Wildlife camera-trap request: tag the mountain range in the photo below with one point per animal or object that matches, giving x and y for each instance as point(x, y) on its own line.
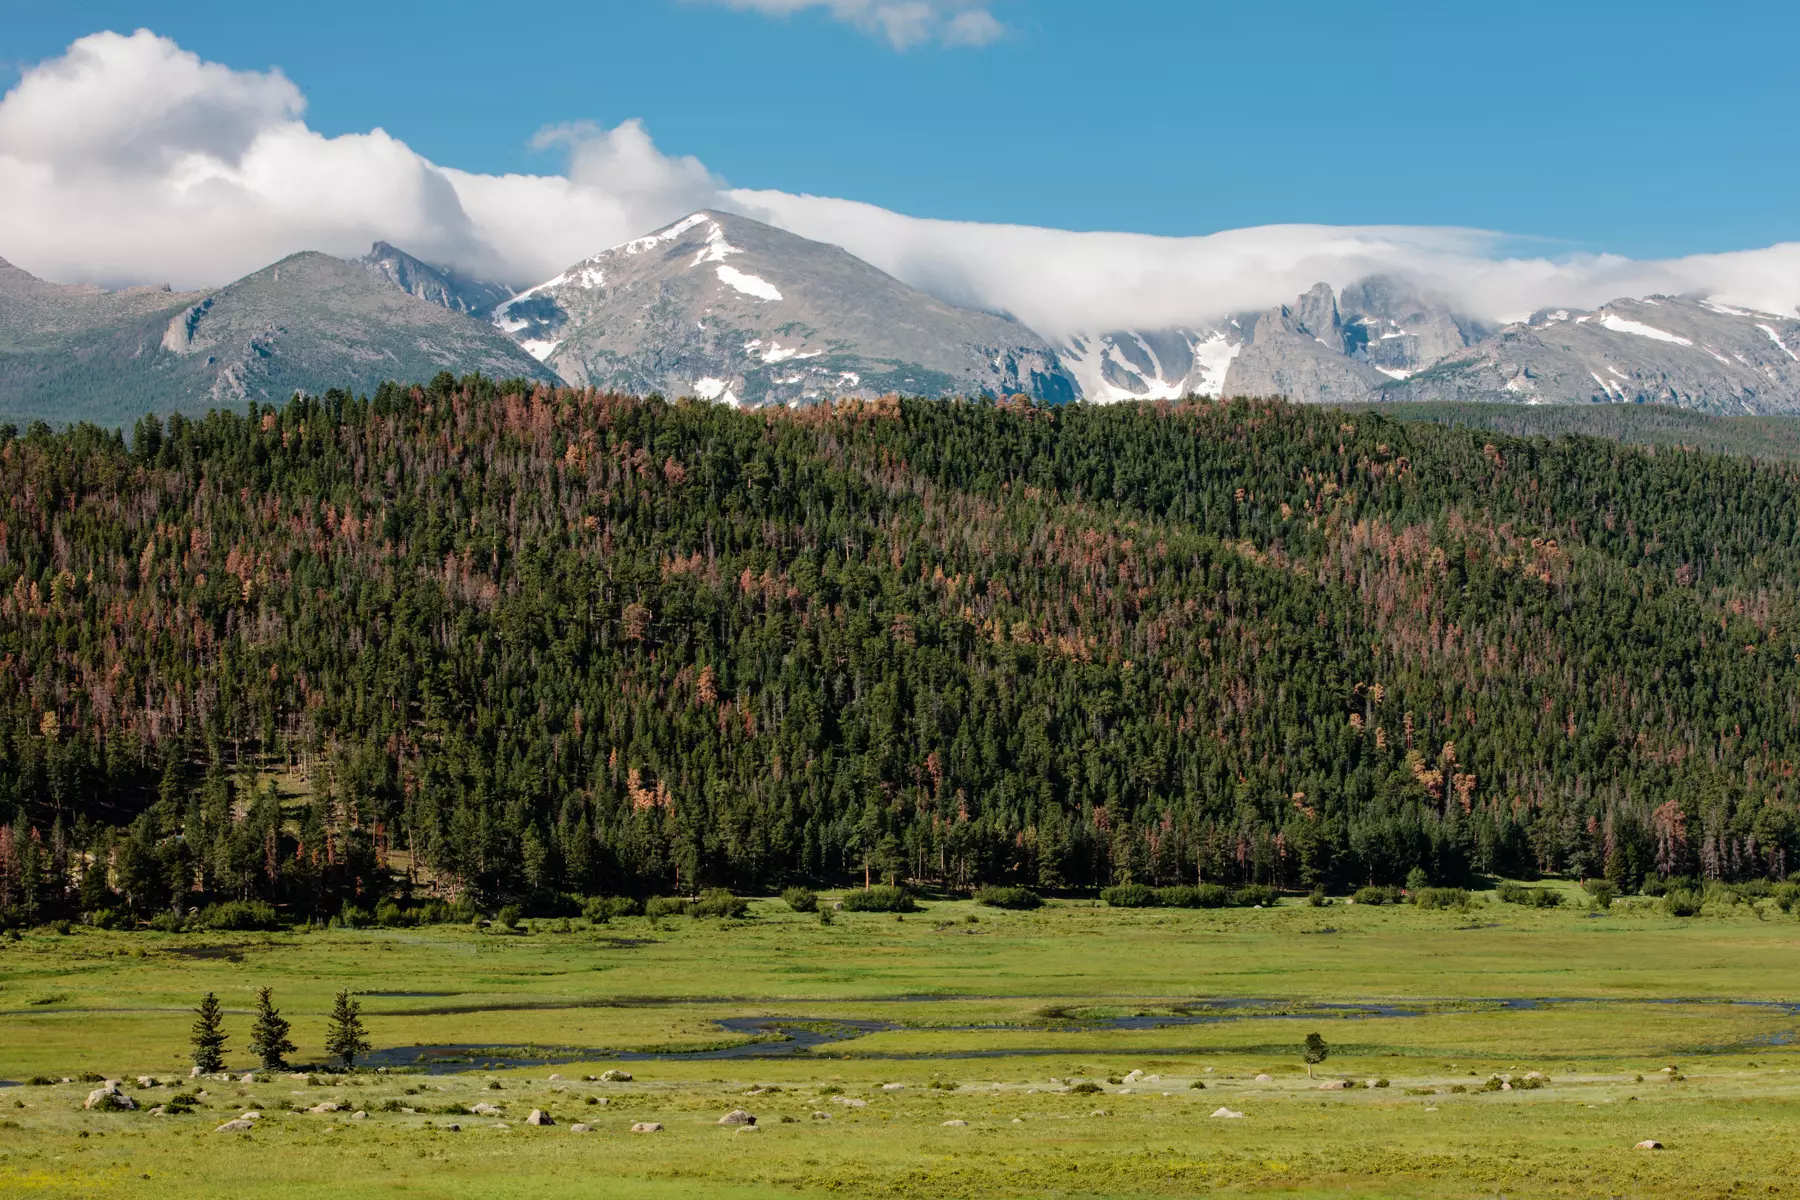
point(730, 309)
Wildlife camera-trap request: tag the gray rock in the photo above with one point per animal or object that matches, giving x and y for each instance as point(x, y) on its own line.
point(539, 1117)
point(238, 1126)
point(434, 285)
point(615, 1077)
point(737, 1116)
point(578, 1127)
point(1677, 351)
point(727, 308)
point(307, 323)
point(647, 1127)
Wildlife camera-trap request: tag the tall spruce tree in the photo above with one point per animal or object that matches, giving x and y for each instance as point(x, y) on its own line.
point(269, 1037)
point(208, 1037)
point(345, 1037)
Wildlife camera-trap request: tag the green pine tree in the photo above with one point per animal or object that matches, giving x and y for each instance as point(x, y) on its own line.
point(345, 1037)
point(1315, 1052)
point(269, 1037)
point(208, 1037)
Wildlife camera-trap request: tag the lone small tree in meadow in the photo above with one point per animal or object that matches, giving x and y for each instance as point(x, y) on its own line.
point(1315, 1052)
point(269, 1037)
point(345, 1037)
point(208, 1038)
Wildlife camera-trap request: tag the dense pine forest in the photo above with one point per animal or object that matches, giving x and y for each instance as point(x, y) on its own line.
point(485, 645)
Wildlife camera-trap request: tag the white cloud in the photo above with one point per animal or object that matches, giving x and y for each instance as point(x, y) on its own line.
point(905, 23)
point(129, 160)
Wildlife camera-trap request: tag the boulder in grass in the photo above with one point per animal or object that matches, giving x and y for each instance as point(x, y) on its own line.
point(1265, 1079)
point(851, 1101)
point(1334, 1085)
point(737, 1116)
point(578, 1127)
point(539, 1117)
point(1648, 1144)
point(325, 1106)
point(1227, 1114)
point(238, 1126)
point(821, 1116)
point(247, 1077)
point(109, 1099)
point(252, 1115)
point(615, 1077)
point(893, 1087)
point(647, 1127)
point(485, 1109)
point(556, 1079)
point(359, 1115)
point(146, 1081)
point(955, 1124)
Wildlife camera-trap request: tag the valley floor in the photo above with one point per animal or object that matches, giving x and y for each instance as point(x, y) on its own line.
point(1646, 1027)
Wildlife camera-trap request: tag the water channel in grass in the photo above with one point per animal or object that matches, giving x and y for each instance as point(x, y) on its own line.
point(798, 1037)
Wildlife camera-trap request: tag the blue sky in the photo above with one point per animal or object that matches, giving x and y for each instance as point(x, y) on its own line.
point(1647, 129)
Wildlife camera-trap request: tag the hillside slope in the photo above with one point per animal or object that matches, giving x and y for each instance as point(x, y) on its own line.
point(572, 642)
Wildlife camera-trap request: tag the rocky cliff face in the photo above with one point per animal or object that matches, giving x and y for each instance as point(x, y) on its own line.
point(1662, 350)
point(435, 285)
point(727, 308)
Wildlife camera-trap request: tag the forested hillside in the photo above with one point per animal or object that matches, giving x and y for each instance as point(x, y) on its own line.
point(524, 645)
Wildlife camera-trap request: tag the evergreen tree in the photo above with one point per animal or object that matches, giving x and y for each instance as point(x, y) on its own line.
point(269, 1037)
point(345, 1037)
point(208, 1037)
point(1315, 1052)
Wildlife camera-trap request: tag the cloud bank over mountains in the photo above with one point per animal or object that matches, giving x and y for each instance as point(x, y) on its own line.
point(131, 160)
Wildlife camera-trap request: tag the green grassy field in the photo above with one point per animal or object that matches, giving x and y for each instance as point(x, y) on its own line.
point(985, 1021)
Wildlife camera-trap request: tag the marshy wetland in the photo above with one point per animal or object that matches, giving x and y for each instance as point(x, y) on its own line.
point(854, 1043)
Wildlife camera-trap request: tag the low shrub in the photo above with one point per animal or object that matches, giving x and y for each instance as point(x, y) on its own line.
point(1130, 895)
point(41, 1081)
point(1441, 897)
point(1604, 892)
point(1197, 1086)
point(238, 916)
point(509, 916)
point(1785, 894)
point(1254, 894)
point(883, 897)
point(665, 906)
point(1379, 894)
point(1682, 903)
point(168, 922)
point(718, 902)
point(1008, 897)
point(1086, 1089)
point(801, 899)
point(601, 909)
point(1529, 897)
point(1317, 898)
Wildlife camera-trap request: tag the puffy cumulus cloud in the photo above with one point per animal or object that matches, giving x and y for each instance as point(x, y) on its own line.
point(128, 160)
point(905, 23)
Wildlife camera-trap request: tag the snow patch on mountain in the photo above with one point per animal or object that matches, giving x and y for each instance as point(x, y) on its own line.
point(750, 285)
point(1618, 324)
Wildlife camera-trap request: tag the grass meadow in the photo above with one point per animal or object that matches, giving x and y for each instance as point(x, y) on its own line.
point(1645, 1026)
